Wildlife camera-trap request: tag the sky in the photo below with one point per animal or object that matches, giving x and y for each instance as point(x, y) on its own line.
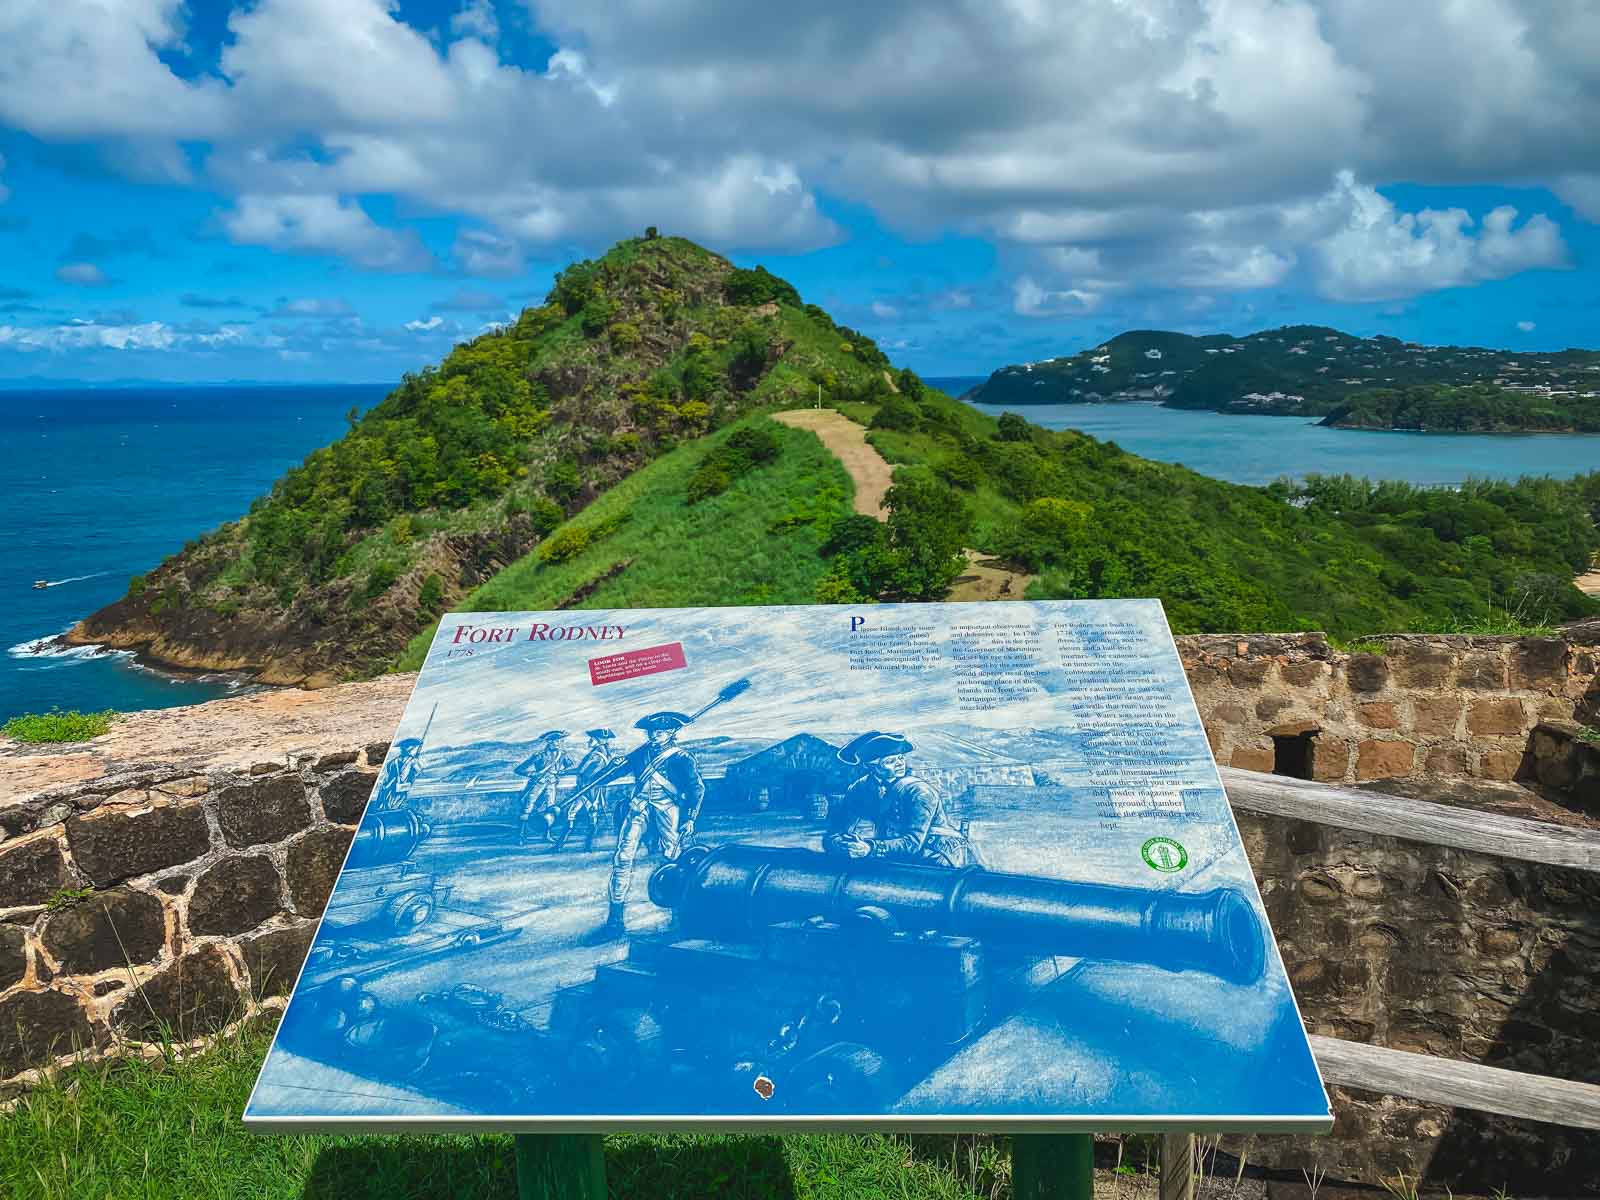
point(299, 190)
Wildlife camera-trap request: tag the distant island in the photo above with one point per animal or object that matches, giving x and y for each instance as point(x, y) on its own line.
point(1311, 370)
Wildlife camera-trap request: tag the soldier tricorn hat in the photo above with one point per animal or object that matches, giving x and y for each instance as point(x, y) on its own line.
point(662, 720)
point(600, 735)
point(554, 735)
point(405, 744)
point(870, 747)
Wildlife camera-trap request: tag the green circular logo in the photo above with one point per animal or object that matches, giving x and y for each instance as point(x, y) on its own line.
point(1164, 854)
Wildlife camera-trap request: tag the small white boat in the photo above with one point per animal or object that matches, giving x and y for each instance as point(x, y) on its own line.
point(41, 583)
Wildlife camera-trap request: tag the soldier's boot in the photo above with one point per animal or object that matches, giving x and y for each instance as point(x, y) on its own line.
point(522, 832)
point(614, 922)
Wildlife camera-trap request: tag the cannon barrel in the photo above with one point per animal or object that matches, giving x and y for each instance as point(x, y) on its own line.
point(735, 891)
point(387, 836)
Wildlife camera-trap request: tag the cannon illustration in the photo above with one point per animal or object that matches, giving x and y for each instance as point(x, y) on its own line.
point(793, 981)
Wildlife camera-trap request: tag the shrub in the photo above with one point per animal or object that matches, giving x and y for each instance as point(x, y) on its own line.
point(58, 726)
point(959, 471)
point(897, 412)
point(136, 585)
point(624, 335)
point(546, 515)
point(1046, 531)
point(564, 546)
point(379, 579)
point(758, 287)
point(564, 481)
point(709, 480)
point(743, 451)
point(1014, 428)
point(430, 596)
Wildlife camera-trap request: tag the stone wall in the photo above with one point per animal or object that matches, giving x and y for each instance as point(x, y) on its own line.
point(1444, 952)
point(167, 906)
point(165, 859)
point(1424, 707)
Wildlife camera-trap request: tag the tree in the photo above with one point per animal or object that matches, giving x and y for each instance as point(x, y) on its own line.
point(928, 526)
point(1014, 428)
point(650, 233)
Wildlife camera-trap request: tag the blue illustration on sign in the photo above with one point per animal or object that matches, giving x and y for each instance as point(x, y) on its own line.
point(890, 861)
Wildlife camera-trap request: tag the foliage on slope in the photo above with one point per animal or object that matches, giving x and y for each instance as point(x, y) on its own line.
point(1298, 369)
point(467, 465)
point(1475, 408)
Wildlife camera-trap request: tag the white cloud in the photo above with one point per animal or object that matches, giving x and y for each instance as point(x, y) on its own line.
point(1526, 326)
point(479, 252)
point(312, 307)
point(82, 274)
point(1029, 299)
point(1366, 249)
point(1106, 144)
point(421, 326)
point(94, 335)
point(317, 224)
point(884, 312)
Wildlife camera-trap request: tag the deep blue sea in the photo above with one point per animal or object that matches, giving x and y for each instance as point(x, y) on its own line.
point(103, 484)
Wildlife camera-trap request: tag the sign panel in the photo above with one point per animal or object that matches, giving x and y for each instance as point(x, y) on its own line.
point(909, 866)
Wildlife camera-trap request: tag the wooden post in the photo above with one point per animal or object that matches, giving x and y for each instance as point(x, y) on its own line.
point(1052, 1166)
point(1177, 1166)
point(560, 1166)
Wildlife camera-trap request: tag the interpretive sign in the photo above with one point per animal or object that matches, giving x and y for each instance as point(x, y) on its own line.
point(891, 865)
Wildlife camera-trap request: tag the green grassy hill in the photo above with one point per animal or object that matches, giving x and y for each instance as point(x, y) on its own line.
point(610, 448)
point(1298, 369)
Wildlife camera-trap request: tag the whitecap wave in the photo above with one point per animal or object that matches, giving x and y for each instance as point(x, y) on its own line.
point(51, 647)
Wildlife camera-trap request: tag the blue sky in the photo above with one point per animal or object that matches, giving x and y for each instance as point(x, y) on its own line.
point(299, 190)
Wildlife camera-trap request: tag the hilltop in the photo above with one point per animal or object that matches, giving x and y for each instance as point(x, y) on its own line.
point(466, 466)
point(1307, 370)
point(614, 447)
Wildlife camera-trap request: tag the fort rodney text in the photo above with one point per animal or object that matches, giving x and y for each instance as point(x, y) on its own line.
point(539, 631)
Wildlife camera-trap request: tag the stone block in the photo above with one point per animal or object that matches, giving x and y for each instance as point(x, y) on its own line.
point(345, 795)
point(274, 958)
point(194, 996)
point(1436, 716)
point(376, 753)
point(1384, 759)
point(1419, 665)
point(1379, 715)
point(186, 788)
point(1499, 764)
point(266, 768)
point(339, 758)
point(314, 863)
point(1303, 674)
point(13, 956)
point(268, 810)
point(38, 1027)
point(1215, 736)
point(1497, 718)
point(112, 845)
point(1269, 707)
point(1330, 758)
point(234, 895)
point(31, 872)
point(1249, 759)
point(1294, 728)
point(1448, 760)
point(1249, 672)
point(1482, 671)
point(108, 930)
point(1367, 672)
point(1540, 664)
point(1230, 713)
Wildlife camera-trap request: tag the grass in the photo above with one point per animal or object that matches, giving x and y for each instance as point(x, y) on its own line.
point(756, 543)
point(170, 1129)
point(58, 726)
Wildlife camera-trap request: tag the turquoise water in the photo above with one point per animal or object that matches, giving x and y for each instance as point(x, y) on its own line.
point(101, 485)
point(1253, 449)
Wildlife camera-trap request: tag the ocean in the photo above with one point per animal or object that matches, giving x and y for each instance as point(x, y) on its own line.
point(103, 484)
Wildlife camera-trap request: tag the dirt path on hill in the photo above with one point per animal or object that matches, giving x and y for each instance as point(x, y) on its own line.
point(847, 441)
point(1589, 582)
point(984, 579)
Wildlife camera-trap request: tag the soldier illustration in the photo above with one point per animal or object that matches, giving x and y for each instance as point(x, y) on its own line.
point(667, 794)
point(588, 804)
point(544, 768)
point(399, 772)
point(906, 814)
